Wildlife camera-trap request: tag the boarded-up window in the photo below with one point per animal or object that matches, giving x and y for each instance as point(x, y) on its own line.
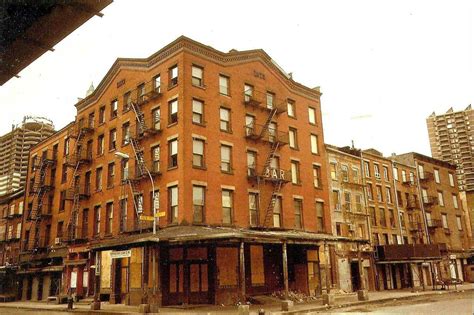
point(176, 278)
point(136, 268)
point(176, 253)
point(197, 253)
point(105, 267)
point(256, 265)
point(227, 265)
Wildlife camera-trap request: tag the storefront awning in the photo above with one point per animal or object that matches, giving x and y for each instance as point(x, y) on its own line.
point(183, 234)
point(75, 262)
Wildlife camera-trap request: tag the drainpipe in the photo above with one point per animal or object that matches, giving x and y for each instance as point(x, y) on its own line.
point(396, 203)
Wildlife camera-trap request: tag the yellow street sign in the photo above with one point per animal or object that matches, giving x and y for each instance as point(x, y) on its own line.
point(146, 218)
point(160, 214)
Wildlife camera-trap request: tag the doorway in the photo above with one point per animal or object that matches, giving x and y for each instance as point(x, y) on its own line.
point(355, 276)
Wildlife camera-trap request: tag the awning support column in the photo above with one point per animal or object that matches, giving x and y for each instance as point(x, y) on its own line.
point(285, 270)
point(242, 272)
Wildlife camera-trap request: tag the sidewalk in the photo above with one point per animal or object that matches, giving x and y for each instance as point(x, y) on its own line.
point(342, 300)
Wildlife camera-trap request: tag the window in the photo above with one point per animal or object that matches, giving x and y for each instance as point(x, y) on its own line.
point(66, 146)
point(270, 99)
point(223, 85)
point(319, 216)
point(277, 212)
point(298, 205)
point(404, 176)
point(98, 179)
point(198, 152)
point(198, 204)
point(173, 111)
point(100, 145)
point(173, 203)
point(291, 110)
point(62, 200)
point(436, 176)
point(90, 120)
point(367, 169)
point(97, 220)
point(141, 93)
point(388, 193)
point(253, 209)
point(127, 101)
point(248, 92)
point(124, 170)
point(412, 178)
point(224, 115)
point(251, 163)
point(156, 118)
point(155, 158)
point(110, 175)
point(347, 201)
point(312, 115)
point(293, 141)
point(157, 83)
point(379, 193)
point(421, 171)
point(123, 215)
point(173, 153)
point(109, 208)
point(358, 203)
point(295, 172)
point(345, 173)
point(314, 144)
point(383, 219)
point(64, 173)
point(333, 168)
point(385, 173)
point(376, 171)
point(455, 201)
point(317, 176)
point(112, 139)
point(59, 232)
point(125, 133)
point(113, 109)
point(451, 180)
point(370, 192)
point(173, 75)
point(440, 198)
point(249, 125)
point(85, 223)
point(197, 75)
point(373, 218)
point(198, 112)
point(444, 219)
point(227, 206)
point(226, 158)
point(102, 115)
point(20, 207)
point(459, 222)
point(336, 200)
point(391, 218)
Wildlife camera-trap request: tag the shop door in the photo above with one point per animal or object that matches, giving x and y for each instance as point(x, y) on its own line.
point(355, 276)
point(198, 283)
point(176, 283)
point(118, 281)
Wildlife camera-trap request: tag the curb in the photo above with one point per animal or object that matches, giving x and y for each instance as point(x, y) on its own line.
point(370, 302)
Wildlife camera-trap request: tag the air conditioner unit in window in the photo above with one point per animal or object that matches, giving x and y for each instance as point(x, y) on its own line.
point(57, 241)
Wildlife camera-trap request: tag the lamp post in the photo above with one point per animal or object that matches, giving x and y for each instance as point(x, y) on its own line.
point(126, 157)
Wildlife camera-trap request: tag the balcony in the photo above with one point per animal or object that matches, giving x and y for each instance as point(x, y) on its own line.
point(271, 174)
point(415, 226)
point(434, 223)
point(82, 192)
point(258, 100)
point(147, 92)
point(412, 204)
point(426, 177)
point(429, 201)
point(409, 181)
point(141, 130)
point(263, 133)
point(408, 252)
point(72, 160)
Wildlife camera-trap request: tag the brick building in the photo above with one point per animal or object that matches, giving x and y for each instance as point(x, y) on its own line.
point(446, 221)
point(216, 144)
point(11, 211)
point(350, 219)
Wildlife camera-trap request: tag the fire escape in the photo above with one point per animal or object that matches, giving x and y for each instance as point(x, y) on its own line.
point(39, 189)
point(267, 133)
point(143, 129)
point(76, 193)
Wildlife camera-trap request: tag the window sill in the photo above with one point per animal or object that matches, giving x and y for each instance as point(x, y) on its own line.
point(172, 124)
point(297, 184)
point(101, 123)
point(172, 168)
point(125, 144)
point(99, 155)
point(110, 187)
point(295, 148)
point(227, 172)
point(112, 150)
point(112, 118)
point(202, 86)
point(199, 124)
point(200, 167)
point(226, 131)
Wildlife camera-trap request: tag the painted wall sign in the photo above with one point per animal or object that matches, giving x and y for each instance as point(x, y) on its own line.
point(121, 254)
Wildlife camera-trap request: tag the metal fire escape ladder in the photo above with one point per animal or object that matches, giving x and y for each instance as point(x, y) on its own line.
point(75, 185)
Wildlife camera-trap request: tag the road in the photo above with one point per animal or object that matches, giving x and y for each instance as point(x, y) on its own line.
point(453, 304)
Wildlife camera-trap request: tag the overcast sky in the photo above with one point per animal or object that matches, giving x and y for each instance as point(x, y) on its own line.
point(383, 66)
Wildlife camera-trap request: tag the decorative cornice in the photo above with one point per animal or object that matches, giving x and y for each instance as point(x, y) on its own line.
point(184, 44)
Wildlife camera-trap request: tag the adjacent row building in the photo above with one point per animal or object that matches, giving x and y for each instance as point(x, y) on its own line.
point(196, 176)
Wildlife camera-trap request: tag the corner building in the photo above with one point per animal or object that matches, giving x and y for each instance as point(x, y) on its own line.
point(229, 150)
